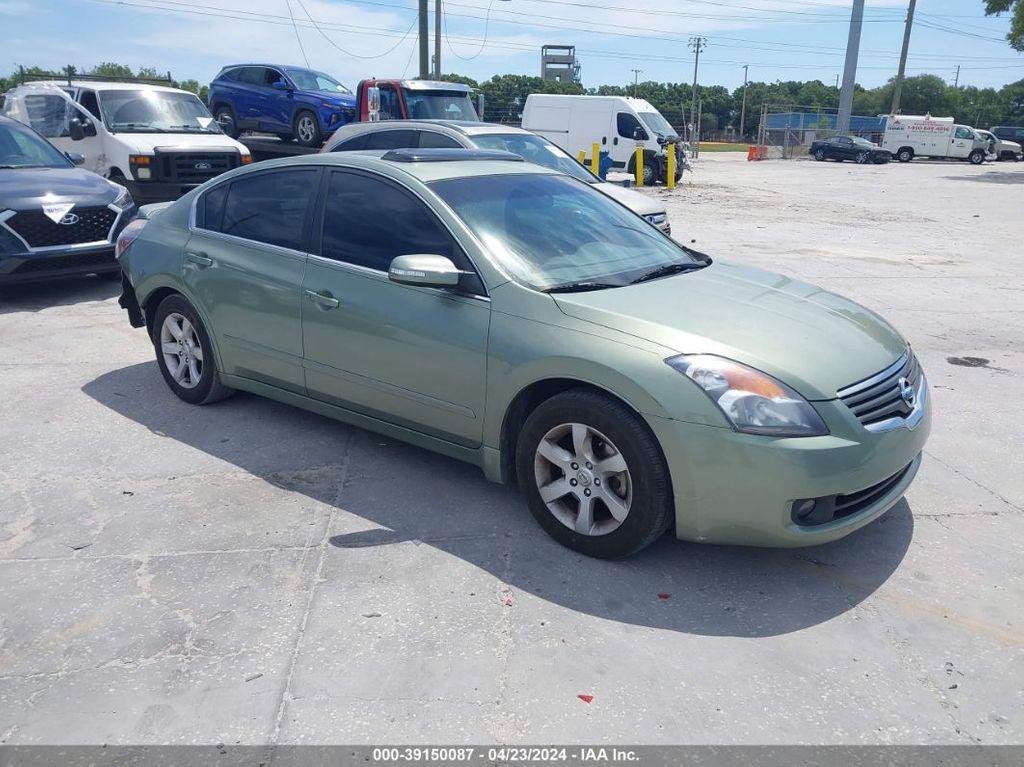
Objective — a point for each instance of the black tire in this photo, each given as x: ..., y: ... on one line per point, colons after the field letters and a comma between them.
x: 906, y: 154
x: 820, y: 155
x: 977, y: 157
x: 306, y: 127
x: 651, y: 173
x: 225, y: 117
x: 209, y: 388
x: 651, y: 510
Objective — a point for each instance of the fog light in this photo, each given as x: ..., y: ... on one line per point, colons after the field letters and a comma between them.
x: 803, y: 509
x: 143, y: 173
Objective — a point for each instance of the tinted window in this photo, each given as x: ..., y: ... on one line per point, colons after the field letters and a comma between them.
x: 213, y: 208
x: 267, y: 207
x: 389, y: 109
x: 431, y: 140
x: 250, y: 75
x: 271, y: 76
x: 88, y: 100
x: 626, y: 124
x: 391, y: 139
x: 845, y: 140
x: 368, y: 222
x: 352, y: 145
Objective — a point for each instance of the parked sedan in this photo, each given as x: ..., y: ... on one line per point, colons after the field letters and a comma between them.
x: 55, y: 219
x: 452, y: 134
x: 504, y: 314
x: 1003, y: 149
x: 854, y: 148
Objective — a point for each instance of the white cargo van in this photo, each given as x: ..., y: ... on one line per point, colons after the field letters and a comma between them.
x: 617, y: 123
x: 159, y: 142
x: 910, y: 136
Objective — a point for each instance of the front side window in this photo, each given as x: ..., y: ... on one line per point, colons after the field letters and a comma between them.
x: 49, y: 114
x: 389, y: 109
x: 368, y: 222
x: 390, y: 139
x: 308, y: 80
x: 548, y: 231
x: 272, y: 76
x: 21, y: 148
x: 627, y: 124
x: 431, y: 140
x: 271, y: 208
x: 964, y: 133
x: 153, y: 111
x: 88, y: 100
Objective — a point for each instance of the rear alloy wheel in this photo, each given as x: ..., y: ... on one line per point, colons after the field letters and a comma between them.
x: 977, y: 157
x: 225, y: 117
x: 593, y: 475
x: 307, y: 129
x: 819, y: 155
x: 905, y: 155
x: 184, y: 354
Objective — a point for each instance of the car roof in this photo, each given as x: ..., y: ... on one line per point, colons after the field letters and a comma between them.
x: 425, y: 165
x: 463, y: 127
x: 265, y: 64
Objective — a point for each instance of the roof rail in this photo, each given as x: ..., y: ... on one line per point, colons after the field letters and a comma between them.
x: 70, y: 74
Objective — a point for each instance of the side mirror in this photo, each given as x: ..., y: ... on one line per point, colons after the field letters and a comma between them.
x: 75, y: 157
x: 480, y: 105
x: 639, y: 134
x: 281, y: 85
x: 424, y: 270
x: 80, y: 127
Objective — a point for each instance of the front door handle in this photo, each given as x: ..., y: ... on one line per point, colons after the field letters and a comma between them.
x: 326, y: 301
x: 199, y: 259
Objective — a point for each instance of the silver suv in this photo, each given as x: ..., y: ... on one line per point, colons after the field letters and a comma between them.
x: 453, y: 134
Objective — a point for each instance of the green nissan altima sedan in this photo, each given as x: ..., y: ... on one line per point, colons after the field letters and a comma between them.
x: 507, y: 315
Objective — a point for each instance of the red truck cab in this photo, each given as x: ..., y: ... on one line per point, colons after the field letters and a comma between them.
x: 418, y: 100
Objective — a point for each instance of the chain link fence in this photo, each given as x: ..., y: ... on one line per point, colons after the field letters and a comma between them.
x: 786, y: 131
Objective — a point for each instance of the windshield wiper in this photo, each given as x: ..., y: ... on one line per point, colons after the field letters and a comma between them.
x: 137, y: 127
x: 580, y: 287
x: 666, y: 271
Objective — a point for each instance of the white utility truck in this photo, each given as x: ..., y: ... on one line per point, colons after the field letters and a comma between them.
x: 160, y: 142
x: 616, y: 123
x: 910, y: 136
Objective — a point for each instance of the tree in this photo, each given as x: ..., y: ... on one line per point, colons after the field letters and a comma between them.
x: 1016, y: 7
x: 109, y: 69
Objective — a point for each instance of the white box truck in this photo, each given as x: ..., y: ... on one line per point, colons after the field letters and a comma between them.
x: 160, y: 142
x: 910, y: 136
x: 616, y: 123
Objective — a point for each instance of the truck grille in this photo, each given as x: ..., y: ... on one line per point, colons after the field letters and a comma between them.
x: 193, y: 167
x: 93, y: 225
x: 880, y: 397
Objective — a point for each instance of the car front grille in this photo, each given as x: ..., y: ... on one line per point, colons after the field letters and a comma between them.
x: 881, y: 397
x: 39, y: 231
x: 193, y: 167
x: 848, y: 505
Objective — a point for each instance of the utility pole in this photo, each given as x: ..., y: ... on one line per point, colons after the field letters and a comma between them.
x: 424, y: 41
x: 743, y: 108
x: 437, y: 39
x: 698, y: 44
x: 956, y: 83
x: 850, y: 70
x: 636, y: 76
x: 897, y: 91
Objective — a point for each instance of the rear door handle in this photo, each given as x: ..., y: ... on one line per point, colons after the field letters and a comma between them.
x: 327, y: 302
x: 199, y: 259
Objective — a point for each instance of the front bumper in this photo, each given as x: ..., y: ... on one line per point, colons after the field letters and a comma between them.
x: 147, y: 192
x: 56, y: 262
x: 738, y: 488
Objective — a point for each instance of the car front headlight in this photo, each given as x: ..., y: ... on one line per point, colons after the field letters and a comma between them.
x: 124, y: 200
x: 752, y: 401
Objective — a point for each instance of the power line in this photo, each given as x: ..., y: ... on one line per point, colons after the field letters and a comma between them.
x: 294, y: 27
x: 487, y: 25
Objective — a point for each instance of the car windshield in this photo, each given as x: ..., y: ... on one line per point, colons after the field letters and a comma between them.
x: 657, y: 123
x: 538, y: 151
x: 151, y: 111
x: 308, y: 80
x: 22, y: 148
x: 440, y: 105
x: 551, y: 233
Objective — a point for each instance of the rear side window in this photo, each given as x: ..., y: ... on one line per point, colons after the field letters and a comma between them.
x: 352, y: 145
x: 250, y: 75
x: 431, y: 140
x: 272, y: 208
x: 391, y: 139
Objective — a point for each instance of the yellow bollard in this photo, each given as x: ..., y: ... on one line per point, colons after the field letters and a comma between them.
x: 639, y: 162
x: 670, y: 182
x: 582, y: 157
x: 595, y: 158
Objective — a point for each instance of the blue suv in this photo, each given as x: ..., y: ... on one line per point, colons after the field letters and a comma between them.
x: 293, y: 102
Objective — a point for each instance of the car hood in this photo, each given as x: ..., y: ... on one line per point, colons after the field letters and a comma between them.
x: 813, y: 340
x: 28, y: 188
x: 636, y: 202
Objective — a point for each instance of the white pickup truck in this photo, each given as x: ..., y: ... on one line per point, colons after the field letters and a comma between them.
x: 160, y: 142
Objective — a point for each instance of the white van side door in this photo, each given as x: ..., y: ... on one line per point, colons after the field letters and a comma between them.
x: 962, y: 142
x: 50, y: 110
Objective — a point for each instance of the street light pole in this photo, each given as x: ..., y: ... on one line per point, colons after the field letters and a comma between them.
x: 897, y: 90
x: 850, y: 70
x: 424, y: 41
x: 636, y: 76
x: 698, y: 44
x: 743, y: 109
x: 437, y: 39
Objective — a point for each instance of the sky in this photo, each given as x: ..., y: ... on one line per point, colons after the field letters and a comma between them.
x: 353, y: 39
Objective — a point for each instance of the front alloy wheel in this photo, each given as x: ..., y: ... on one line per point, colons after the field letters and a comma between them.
x: 307, y: 129
x: 819, y: 155
x: 862, y: 157
x: 593, y: 474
